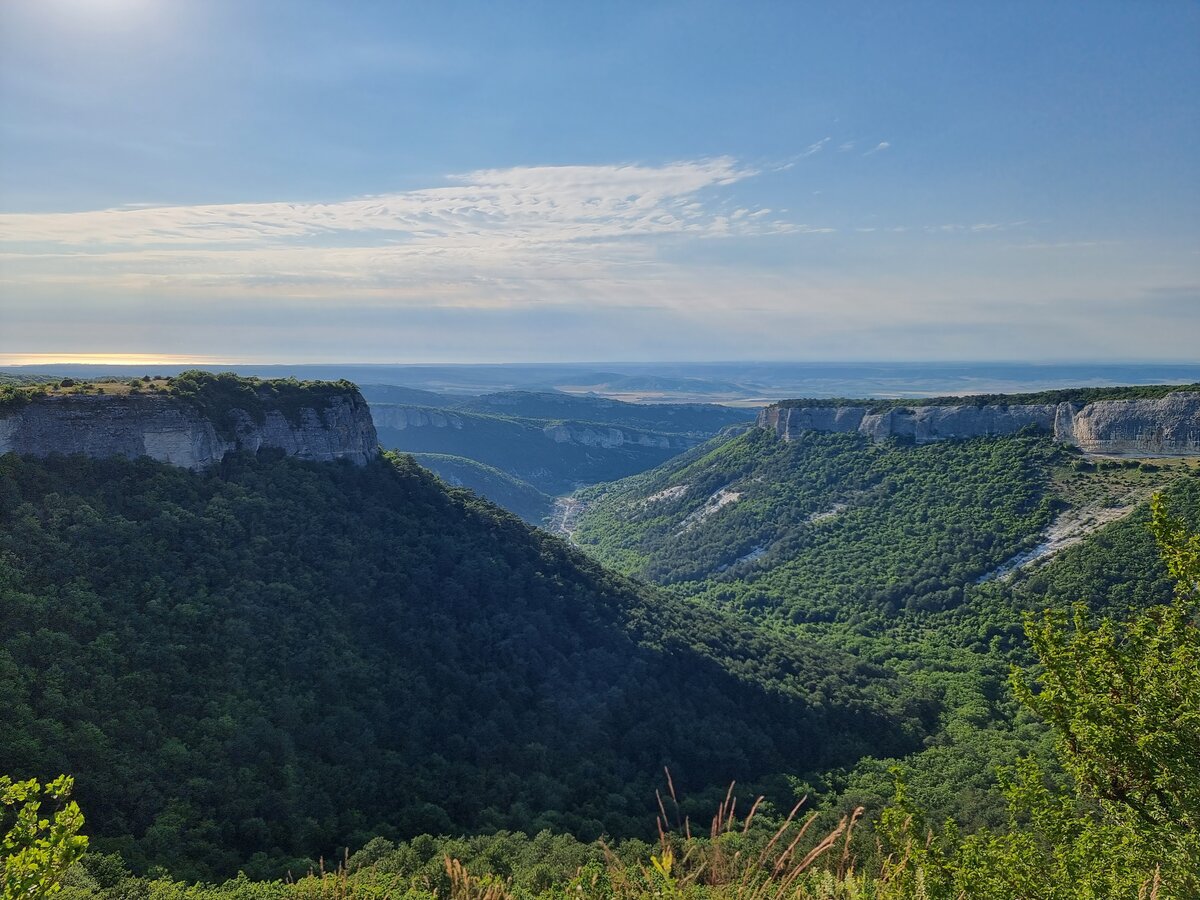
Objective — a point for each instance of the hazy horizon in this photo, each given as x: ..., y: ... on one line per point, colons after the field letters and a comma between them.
x: 746, y: 383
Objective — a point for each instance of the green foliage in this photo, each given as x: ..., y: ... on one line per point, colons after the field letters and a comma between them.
x: 260, y: 664
x: 1079, y: 396
x: 879, y: 550
x: 1119, y: 823
x: 219, y: 397
x: 14, y: 397
x: 499, y: 487
x: 829, y: 526
x: 1124, y: 703
x: 36, y: 851
x: 287, y: 659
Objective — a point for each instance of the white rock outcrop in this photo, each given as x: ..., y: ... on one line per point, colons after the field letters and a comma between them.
x: 1167, y: 426
x: 172, y: 431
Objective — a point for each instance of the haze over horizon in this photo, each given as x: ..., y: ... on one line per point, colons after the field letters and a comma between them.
x: 315, y: 182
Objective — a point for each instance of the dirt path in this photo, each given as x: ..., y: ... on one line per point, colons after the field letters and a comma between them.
x: 565, y: 515
x: 1067, y: 530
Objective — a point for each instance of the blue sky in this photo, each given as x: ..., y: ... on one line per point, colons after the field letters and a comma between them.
x: 396, y: 182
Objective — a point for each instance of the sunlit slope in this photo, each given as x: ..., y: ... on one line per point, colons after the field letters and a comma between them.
x: 833, y: 526
x: 907, y: 556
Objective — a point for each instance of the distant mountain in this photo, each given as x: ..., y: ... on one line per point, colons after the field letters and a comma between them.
x: 553, y: 456
x: 700, y: 382
x: 395, y: 393
x: 550, y: 440
x: 704, y: 419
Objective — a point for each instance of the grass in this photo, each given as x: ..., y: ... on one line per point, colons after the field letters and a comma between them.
x: 15, y: 396
x: 752, y: 856
x: 1101, y: 482
x: 214, y: 396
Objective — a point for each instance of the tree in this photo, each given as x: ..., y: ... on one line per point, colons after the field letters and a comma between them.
x: 1124, y: 703
x: 37, y: 851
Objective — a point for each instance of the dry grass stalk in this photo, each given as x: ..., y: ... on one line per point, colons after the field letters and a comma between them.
x: 846, y: 864
x: 464, y: 886
x: 1148, y: 890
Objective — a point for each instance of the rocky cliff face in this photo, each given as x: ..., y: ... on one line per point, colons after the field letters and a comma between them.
x: 612, y: 437
x: 1169, y: 426
x: 172, y: 431
x: 387, y: 415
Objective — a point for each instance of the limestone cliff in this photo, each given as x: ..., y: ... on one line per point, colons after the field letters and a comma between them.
x: 171, y: 430
x: 1164, y: 426
x: 611, y: 436
x: 391, y: 415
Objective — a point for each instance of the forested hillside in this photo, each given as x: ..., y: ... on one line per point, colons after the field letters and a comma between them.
x: 1106, y: 807
x: 837, y: 527
x: 827, y: 526
x: 897, y: 553
x: 506, y: 491
x: 553, y: 456
x: 255, y: 665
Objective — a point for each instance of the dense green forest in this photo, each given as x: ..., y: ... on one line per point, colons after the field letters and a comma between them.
x: 837, y: 527
x: 506, y: 491
x: 264, y: 663
x: 830, y: 525
x: 1115, y: 815
x: 258, y: 664
x: 885, y: 550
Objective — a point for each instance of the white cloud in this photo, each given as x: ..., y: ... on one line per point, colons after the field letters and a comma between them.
x: 548, y: 204
x: 878, y: 148
x: 483, y: 239
x: 974, y: 228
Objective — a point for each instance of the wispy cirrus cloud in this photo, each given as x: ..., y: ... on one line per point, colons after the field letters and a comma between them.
x: 537, y: 205
x: 975, y: 227
x: 479, y: 231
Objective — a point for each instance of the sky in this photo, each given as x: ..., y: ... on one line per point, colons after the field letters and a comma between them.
x: 294, y: 181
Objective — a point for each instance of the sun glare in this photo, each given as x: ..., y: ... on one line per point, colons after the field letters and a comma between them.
x: 108, y: 359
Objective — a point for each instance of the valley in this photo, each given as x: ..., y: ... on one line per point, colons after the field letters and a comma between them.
x: 808, y: 612
x: 599, y: 451
x: 542, y: 444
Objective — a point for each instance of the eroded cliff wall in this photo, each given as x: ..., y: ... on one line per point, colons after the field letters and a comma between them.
x: 173, y: 431
x: 1166, y: 426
